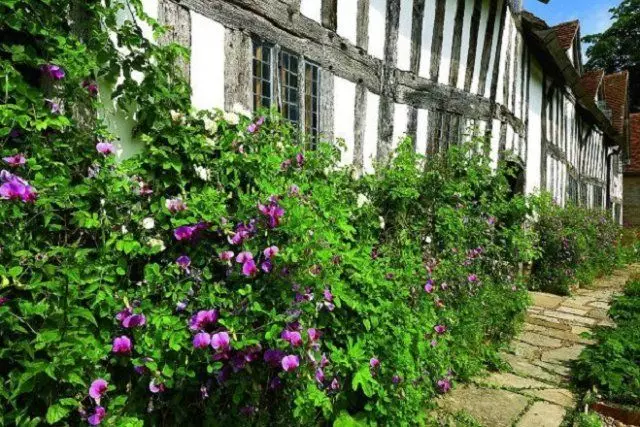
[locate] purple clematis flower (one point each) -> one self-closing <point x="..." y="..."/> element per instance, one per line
<point x="220" y="341"/>
<point x="105" y="148"/>
<point x="244" y="257"/>
<point x="428" y="288"/>
<point x="91" y="87"/>
<point x="53" y="71"/>
<point x="98" y="389"/>
<point x="472" y="278"/>
<point x="155" y="387"/>
<point x="328" y="296"/>
<point x="98" y="415"/>
<point x="300" y="159"/>
<point x="122" y="345"/>
<point x="134" y="320"/>
<point x="294" y="190"/>
<point x="271" y="252"/>
<point x="15" y="160"/>
<point x="175" y="205"/>
<point x="16" y="188"/>
<point x="184" y="232"/>
<point x="273" y="211"/>
<point x="285" y="164"/>
<point x="320" y="376"/>
<point x="314" y="334"/>
<point x="444" y="385"/>
<point x="266" y="266"/>
<point x="324" y="361"/>
<point x="202" y="340"/>
<point x="249" y="268"/>
<point x="273" y="357"/>
<point x="292" y="337"/>
<point x="226" y="255"/>
<point x="54" y="106"/>
<point x="181" y="306"/>
<point x="290" y="363"/>
<point x="3" y="301"/>
<point x="255" y="126"/>
<point x="183" y="262"/>
<point x="202" y="320"/>
<point x="335" y="385"/>
<point x="396" y="379"/>
<point x="440" y="329"/>
<point x="374" y="363"/>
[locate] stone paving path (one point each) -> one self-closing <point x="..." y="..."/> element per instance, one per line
<point x="536" y="393"/>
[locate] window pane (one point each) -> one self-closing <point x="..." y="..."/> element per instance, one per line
<point x="311" y="100"/>
<point x="288" y="64"/>
<point x="261" y="74"/>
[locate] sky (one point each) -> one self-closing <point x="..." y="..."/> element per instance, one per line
<point x="594" y="15"/>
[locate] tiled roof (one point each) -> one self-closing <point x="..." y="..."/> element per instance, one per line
<point x="566" y="33"/>
<point x="615" y="88"/>
<point x="591" y="81"/>
<point x="634" y="129"/>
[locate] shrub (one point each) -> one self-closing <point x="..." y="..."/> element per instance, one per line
<point x="575" y="246"/>
<point x="122" y="302"/>
<point x="611" y="365"/>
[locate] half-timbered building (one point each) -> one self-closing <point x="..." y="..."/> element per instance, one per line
<point x="370" y="71"/>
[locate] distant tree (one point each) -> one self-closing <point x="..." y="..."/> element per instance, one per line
<point x="618" y="48"/>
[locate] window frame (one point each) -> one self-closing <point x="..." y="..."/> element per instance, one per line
<point x="281" y="74"/>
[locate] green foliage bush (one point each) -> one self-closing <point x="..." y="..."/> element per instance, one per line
<point x="380" y="291"/>
<point x="575" y="246"/>
<point x="612" y="364"/>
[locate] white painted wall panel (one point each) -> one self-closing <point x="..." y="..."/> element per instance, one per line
<point x="311" y="9"/>
<point x="207" y="62"/>
<point x="534" y="129"/>
<point x="370" y="143"/>
<point x="404" y="34"/>
<point x="447" y="41"/>
<point x="464" y="47"/>
<point x="400" y="122"/>
<point x="421" y="131"/>
<point x="150" y="7"/>
<point x="347" y="19"/>
<point x="344" y="97"/>
<point x="377" y="25"/>
<point x="495" y="142"/>
<point x="427" y="37"/>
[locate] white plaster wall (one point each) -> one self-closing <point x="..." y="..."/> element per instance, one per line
<point x="510" y="139"/>
<point x="207" y="62"/>
<point x="311" y="9"/>
<point x="344" y="97"/>
<point x="427" y="37"/>
<point x="400" y="123"/>
<point x="404" y="34"/>
<point x="347" y="19"/>
<point x="495" y="142"/>
<point x="534" y="128"/>
<point x="377" y="26"/>
<point x="464" y="47"/>
<point x="447" y="41"/>
<point x="484" y="17"/>
<point x="150" y="7"/>
<point x="421" y="131"/>
<point x="370" y="143"/>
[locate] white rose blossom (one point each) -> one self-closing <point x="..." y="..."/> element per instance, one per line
<point x="148" y="223"/>
<point x="203" y="173"/>
<point x="362" y="200"/>
<point x="156" y="243"/>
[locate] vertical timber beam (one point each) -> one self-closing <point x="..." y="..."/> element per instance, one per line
<point x="178" y="19"/>
<point x="436" y="44"/>
<point x="238" y="82"/>
<point x="457" y="43"/>
<point x="488" y="42"/>
<point x="387" y="106"/>
<point x="414" y="62"/>
<point x="473" y="44"/>
<point x="329" y="14"/>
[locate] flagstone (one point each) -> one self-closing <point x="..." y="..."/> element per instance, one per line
<point x="562" y="354"/>
<point x="558" y="396"/>
<point x="542" y="414"/>
<point x="508" y="380"/>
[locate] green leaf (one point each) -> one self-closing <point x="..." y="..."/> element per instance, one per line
<point x="56" y="413"/>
